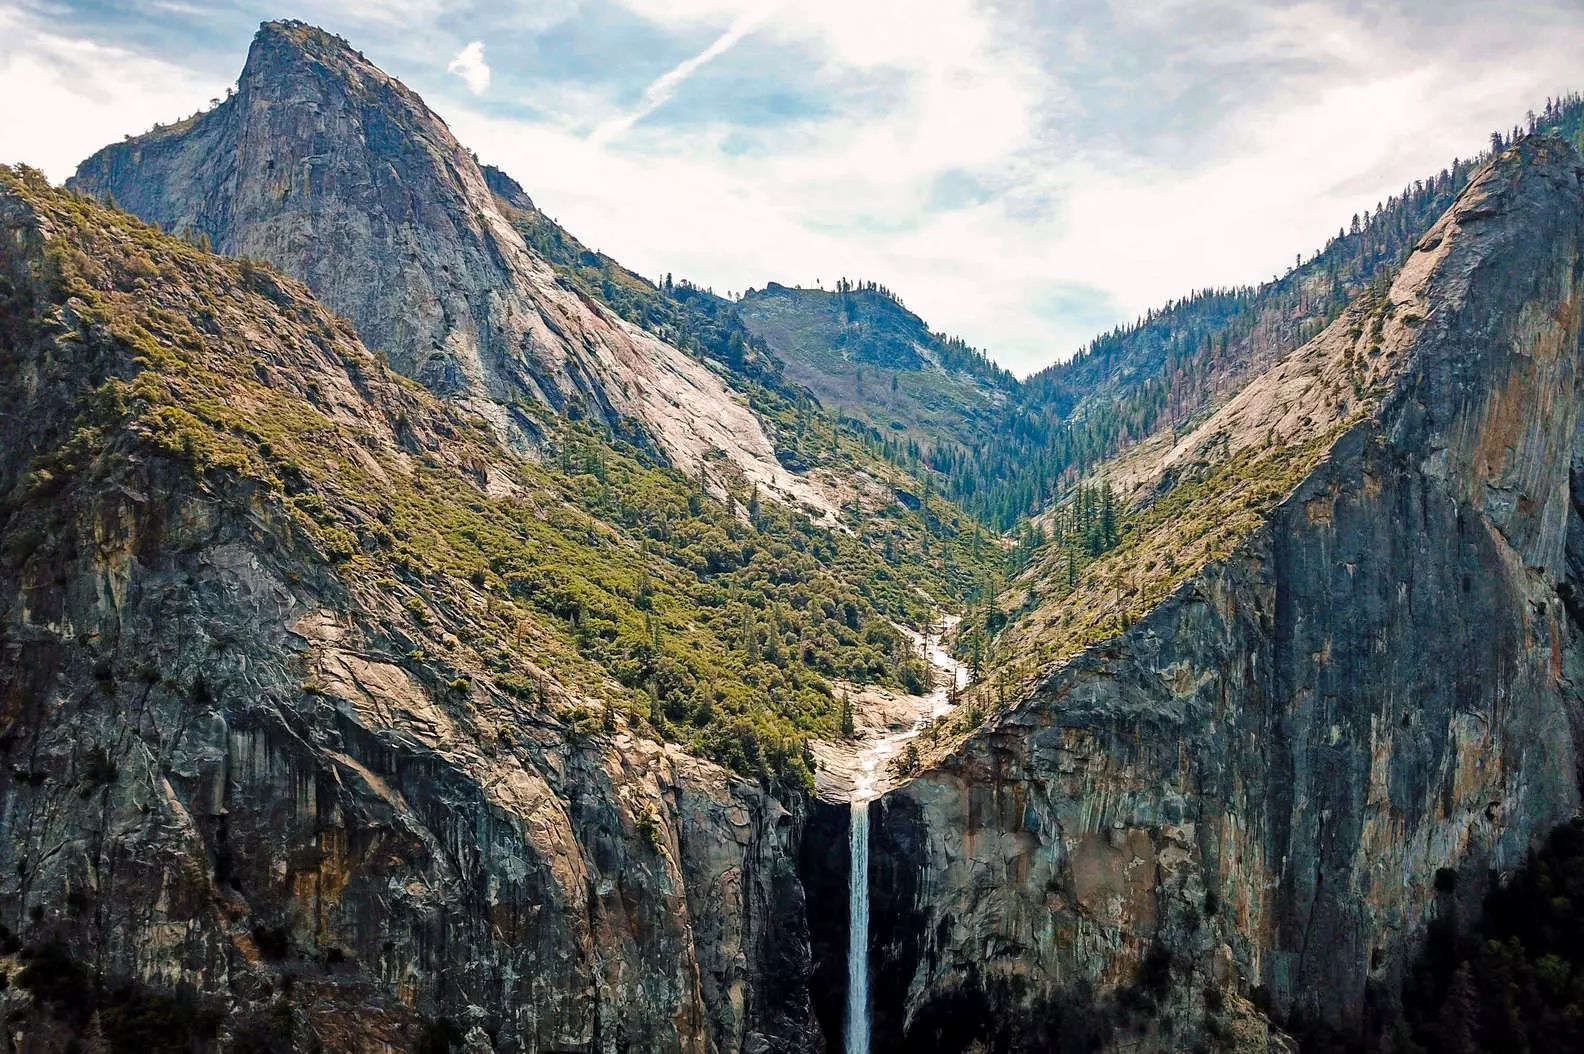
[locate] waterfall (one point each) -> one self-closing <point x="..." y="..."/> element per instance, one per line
<point x="870" y="779"/>
<point x="858" y="931"/>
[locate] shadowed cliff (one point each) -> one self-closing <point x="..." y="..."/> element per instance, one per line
<point x="1247" y="795"/>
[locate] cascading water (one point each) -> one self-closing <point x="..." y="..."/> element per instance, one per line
<point x="869" y="781"/>
<point x="858" y="931"/>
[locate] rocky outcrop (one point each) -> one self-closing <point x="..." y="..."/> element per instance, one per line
<point x="340" y="176"/>
<point x="1268" y="785"/>
<point x="228" y="768"/>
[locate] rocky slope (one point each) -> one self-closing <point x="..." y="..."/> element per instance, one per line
<point x="262" y="778"/>
<point x="1353" y="709"/>
<point x="340" y="176"/>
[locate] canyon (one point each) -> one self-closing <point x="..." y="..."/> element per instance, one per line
<point x="352" y="577"/>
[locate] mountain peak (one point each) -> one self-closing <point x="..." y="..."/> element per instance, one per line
<point x="285" y="50"/>
<point x="340" y="176"/>
<point x="280" y="38"/>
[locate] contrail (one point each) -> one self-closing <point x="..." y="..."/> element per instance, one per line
<point x="665" y="86"/>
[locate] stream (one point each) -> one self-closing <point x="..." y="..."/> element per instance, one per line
<point x="871" y="778"/>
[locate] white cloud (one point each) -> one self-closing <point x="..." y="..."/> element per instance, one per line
<point x="1365" y="112"/>
<point x="61" y="99"/>
<point x="1024" y="179"/>
<point x="665" y="86"/>
<point x="470" y="66"/>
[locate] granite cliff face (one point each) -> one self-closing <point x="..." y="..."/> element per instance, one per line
<point x="340" y="176"/>
<point x="229" y="768"/>
<point x="1330" y="698"/>
<point x="1266" y="787"/>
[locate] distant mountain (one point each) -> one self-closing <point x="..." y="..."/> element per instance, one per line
<point x="870" y="359"/>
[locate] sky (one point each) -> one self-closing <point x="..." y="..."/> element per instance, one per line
<point x="1023" y="173"/>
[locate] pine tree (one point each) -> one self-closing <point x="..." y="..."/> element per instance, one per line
<point x="750" y="635"/>
<point x="656" y="714"/>
<point x="1108" y="523"/>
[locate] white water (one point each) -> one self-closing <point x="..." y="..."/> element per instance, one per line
<point x="867" y="785"/>
<point x="858" y="931"/>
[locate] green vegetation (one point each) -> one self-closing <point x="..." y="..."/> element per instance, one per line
<point x="878" y="366"/>
<point x="596" y="583"/>
<point x="1511" y="981"/>
<point x="1515" y="982"/>
<point x="806" y="434"/>
<point x="1173" y="365"/>
<point x="1092" y="569"/>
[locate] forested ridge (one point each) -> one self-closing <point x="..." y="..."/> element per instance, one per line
<point x="1171" y="366"/>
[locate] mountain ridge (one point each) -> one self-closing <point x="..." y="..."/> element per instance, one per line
<point x="923" y="387"/>
<point x="320" y="158"/>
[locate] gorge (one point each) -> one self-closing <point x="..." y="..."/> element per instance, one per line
<point x="422" y="633"/>
<point x="868" y="769"/>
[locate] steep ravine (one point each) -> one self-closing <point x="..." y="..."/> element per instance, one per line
<point x="1248" y="795"/>
<point x="852" y="775"/>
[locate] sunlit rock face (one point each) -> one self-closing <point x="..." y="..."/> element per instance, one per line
<point x="1266" y="787"/>
<point x="340" y="176"/>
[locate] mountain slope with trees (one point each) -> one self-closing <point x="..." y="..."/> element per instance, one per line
<point x="867" y="358"/>
<point x="243" y="555"/>
<point x="1169" y="369"/>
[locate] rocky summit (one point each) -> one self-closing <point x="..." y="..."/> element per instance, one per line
<point x="341" y="177"/>
<point x="422" y="633"/>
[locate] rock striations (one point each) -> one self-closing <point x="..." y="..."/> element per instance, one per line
<point x="340" y="176"/>
<point x="1265" y="788"/>
<point x="268" y="780"/>
<point x="231" y="769"/>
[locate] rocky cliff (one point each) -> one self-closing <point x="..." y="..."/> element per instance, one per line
<point x="1357" y="713"/>
<point x="248" y="790"/>
<point x="340" y="176"/>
